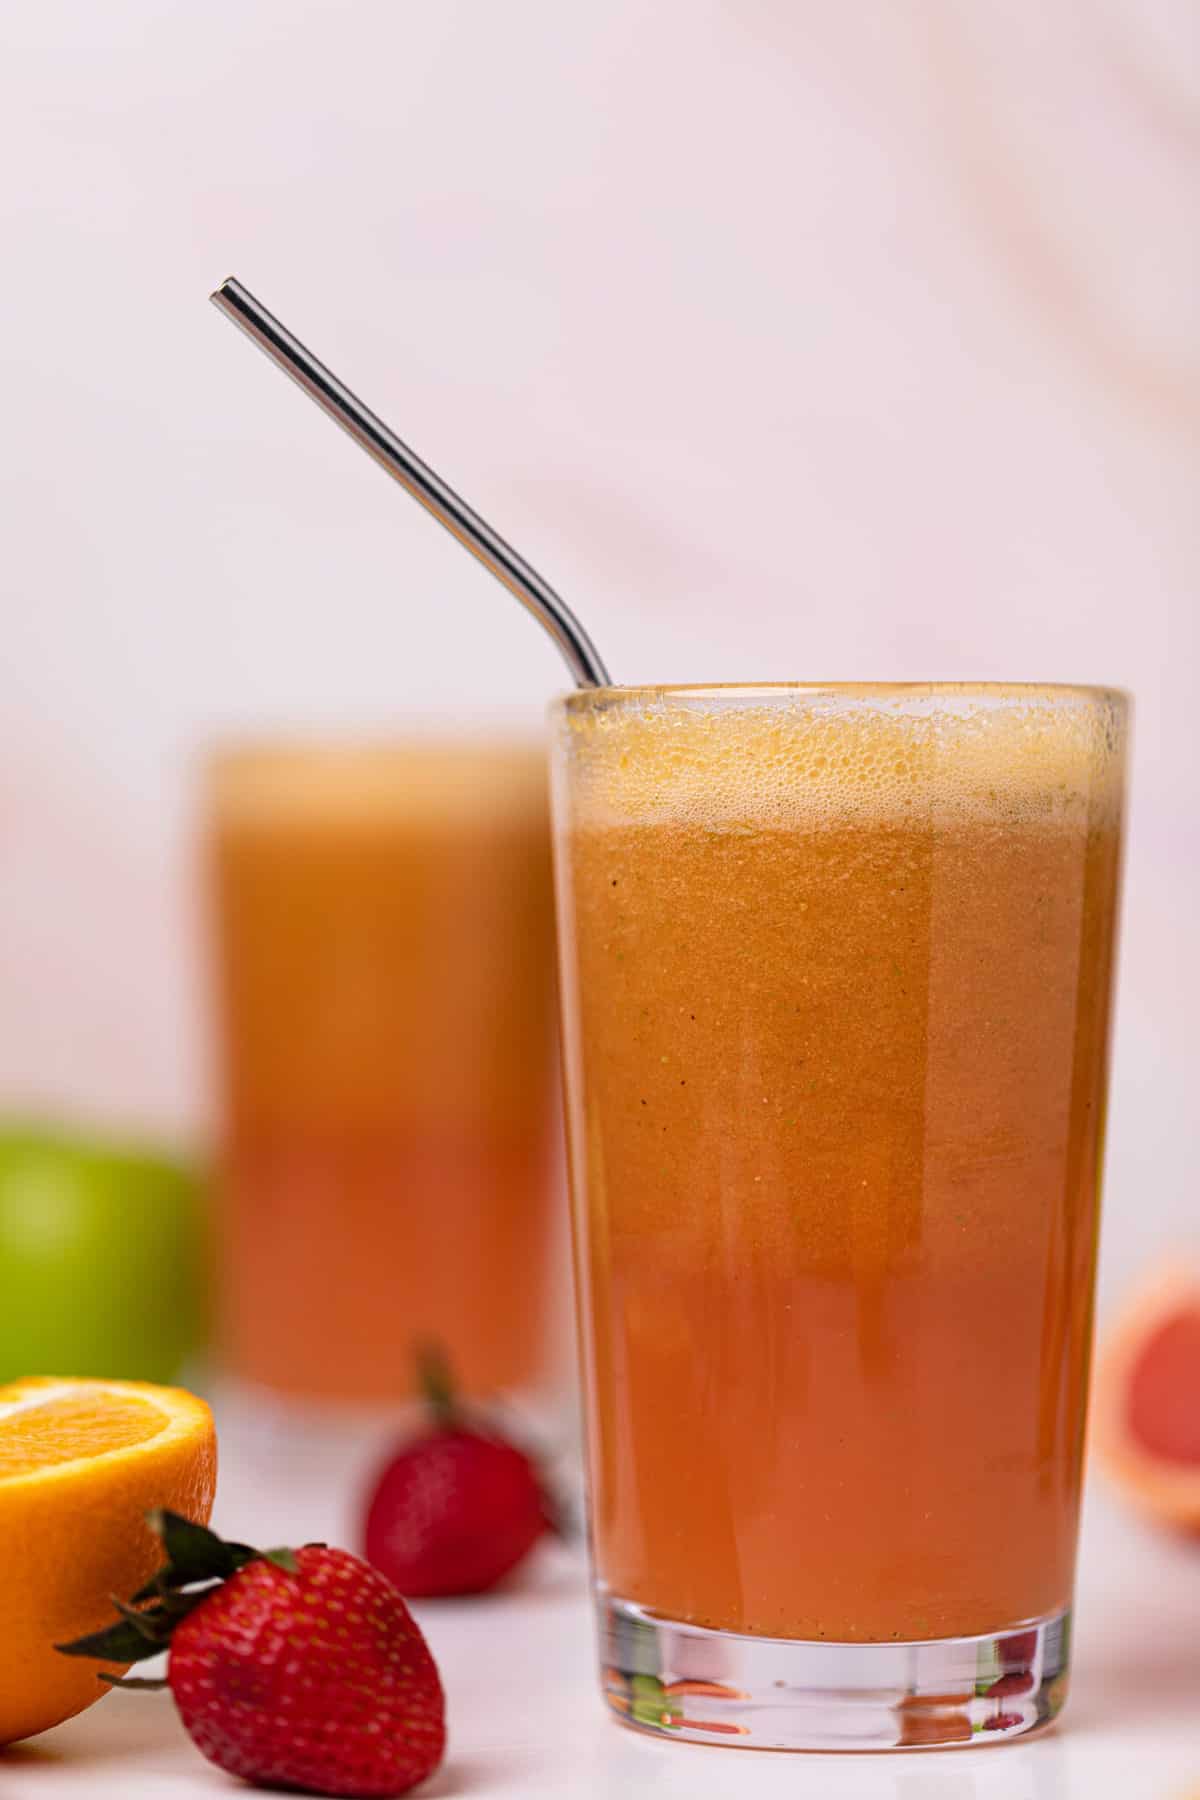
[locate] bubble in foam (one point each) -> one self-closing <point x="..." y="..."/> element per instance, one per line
<point x="803" y="758"/>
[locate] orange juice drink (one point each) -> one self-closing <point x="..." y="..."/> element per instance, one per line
<point x="836" y="971"/>
<point x="384" y="924"/>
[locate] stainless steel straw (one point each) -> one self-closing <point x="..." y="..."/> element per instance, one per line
<point x="417" y="478"/>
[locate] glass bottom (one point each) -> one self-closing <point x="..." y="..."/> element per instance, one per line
<point x="759" y="1693"/>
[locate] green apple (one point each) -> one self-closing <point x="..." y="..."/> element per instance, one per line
<point x="102" y="1258"/>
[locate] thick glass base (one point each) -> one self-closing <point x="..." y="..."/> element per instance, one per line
<point x="720" y="1687"/>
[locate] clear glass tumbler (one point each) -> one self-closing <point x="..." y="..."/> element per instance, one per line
<point x="836" y="969"/>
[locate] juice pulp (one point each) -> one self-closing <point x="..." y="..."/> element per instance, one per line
<point x="836" y="986"/>
<point x="385" y="967"/>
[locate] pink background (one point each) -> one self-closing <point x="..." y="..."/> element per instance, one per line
<point x="792" y="340"/>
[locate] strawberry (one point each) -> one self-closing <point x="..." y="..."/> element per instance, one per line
<point x="455" y="1509"/>
<point x="1021" y="1681"/>
<point x="1002" y="1721"/>
<point x="301" y="1669"/>
<point x="1017" y="1650"/>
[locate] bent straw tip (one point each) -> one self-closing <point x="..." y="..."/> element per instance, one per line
<point x="224" y="289"/>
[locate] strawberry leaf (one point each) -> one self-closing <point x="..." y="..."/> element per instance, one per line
<point x="120" y="1643"/>
<point x="176" y="1606"/>
<point x="283" y="1559"/>
<point x="196" y="1560"/>
<point x="149" y="1622"/>
<point x="194" y="1553"/>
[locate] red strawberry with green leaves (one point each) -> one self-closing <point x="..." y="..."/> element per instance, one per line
<point x="300" y="1669"/>
<point x="455" y="1509"/>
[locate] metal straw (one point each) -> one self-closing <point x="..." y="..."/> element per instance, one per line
<point x="417" y="478"/>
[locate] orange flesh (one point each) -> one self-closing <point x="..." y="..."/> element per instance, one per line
<point x="62" y="1429"/>
<point x="387" y="954"/>
<point x="837" y="1099"/>
<point x="1164" y="1391"/>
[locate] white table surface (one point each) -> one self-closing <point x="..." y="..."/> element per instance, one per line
<point x="526" y="1722"/>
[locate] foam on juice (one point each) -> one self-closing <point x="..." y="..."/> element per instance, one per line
<point x="801" y="758"/>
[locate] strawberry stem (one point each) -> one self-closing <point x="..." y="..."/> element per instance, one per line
<point x="436" y="1382"/>
<point x="195" y="1559"/>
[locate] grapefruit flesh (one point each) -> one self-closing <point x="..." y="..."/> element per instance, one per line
<point x="1146" y="1419"/>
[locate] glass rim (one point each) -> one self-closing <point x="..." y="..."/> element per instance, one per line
<point x="1101" y="693"/>
<point x="237" y="750"/>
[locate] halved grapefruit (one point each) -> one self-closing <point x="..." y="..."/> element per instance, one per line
<point x="1146" y="1407"/>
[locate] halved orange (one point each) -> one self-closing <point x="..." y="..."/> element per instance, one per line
<point x="81" y="1463"/>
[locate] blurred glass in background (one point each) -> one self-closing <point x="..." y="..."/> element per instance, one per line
<point x="382" y="924"/>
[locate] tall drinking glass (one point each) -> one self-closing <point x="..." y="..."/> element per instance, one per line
<point x="836" y="966"/>
<point x="384" y="971"/>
